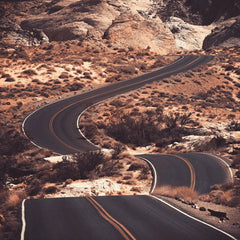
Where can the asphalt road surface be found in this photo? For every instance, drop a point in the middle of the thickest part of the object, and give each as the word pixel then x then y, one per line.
pixel 112 217
pixel 198 171
pixel 121 217
pixel 55 126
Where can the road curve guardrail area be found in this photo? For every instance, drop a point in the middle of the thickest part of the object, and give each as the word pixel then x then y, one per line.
pixel 55 126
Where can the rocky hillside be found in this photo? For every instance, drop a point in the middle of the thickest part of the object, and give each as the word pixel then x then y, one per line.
pixel 198 12
pixel 164 26
pixel 118 22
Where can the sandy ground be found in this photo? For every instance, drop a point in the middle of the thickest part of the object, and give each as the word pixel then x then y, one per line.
pixel 231 226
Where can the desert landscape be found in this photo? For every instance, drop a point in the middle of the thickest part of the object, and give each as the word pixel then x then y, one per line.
pixel 52 50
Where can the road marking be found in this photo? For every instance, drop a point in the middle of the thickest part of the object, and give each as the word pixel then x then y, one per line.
pixel 196 219
pixel 221 160
pixel 23 220
pixel 192 171
pixel 121 229
pixel 102 94
pixel 154 174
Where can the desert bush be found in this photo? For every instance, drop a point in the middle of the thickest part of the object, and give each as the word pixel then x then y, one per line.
pixel 238 94
pixel 9 79
pixel 129 69
pixel 65 170
pixel 135 166
pixel 29 72
pixel 78 167
pixel 87 161
pixel 15 198
pixel 181 192
pixel 148 127
pixel 75 86
pixel 213 144
pixel 34 188
pixel 11 141
pixel 90 130
pixel 5 165
pixel 233 126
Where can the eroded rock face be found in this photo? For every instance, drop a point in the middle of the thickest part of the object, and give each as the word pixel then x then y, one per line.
pixel 187 36
pixel 132 30
pixel 64 21
pixel 227 34
pixel 124 23
pixel 198 12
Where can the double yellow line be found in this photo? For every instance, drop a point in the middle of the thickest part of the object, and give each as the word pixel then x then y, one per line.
pixel 192 171
pixel 102 94
pixel 117 225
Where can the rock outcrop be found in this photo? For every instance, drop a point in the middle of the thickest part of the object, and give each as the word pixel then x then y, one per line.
pixel 187 36
pixel 198 12
pixel 134 31
pixel 123 23
pixel 227 34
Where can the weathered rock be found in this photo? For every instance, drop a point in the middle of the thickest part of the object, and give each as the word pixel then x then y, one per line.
pixel 187 36
pixel 197 12
pixel 202 209
pixel 221 215
pixel 73 20
pixel 227 34
pixel 132 30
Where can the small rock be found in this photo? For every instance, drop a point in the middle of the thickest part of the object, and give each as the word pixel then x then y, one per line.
pixel 195 206
pixel 68 181
pixel 202 209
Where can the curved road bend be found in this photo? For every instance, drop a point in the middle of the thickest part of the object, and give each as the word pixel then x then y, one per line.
pixel 113 217
pixel 199 171
pixel 55 126
pixel 122 217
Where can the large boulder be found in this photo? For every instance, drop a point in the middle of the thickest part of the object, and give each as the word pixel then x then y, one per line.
pixel 198 12
pixel 133 30
pixel 227 34
pixel 64 21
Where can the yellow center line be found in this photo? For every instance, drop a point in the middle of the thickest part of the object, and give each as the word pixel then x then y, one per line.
pixel 192 171
pixel 121 229
pixel 102 94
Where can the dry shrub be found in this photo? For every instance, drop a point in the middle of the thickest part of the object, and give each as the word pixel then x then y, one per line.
pixel 182 192
pixel 15 199
pixel 29 72
pixel 229 198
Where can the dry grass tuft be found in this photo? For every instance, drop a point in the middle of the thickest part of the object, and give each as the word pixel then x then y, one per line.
pixel 15 199
pixel 184 193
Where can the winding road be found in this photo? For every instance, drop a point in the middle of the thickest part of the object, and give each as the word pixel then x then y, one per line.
pixel 55 127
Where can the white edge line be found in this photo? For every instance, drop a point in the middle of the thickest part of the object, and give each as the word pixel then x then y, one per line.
pixel 78 122
pixel 23 220
pixel 224 162
pixel 154 173
pixel 80 115
pixel 198 220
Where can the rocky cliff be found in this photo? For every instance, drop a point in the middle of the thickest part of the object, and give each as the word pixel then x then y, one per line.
pixel 164 26
pixel 225 35
pixel 198 12
pixel 122 23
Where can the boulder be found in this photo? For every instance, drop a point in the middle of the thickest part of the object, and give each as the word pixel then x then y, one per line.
pixel 227 34
pixel 134 31
pixel 221 215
